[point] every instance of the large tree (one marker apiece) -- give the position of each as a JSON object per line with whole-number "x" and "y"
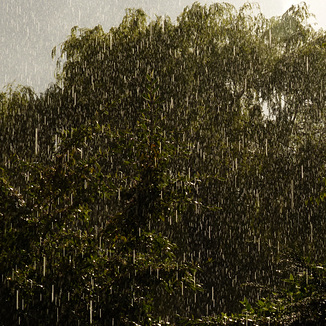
{"x": 208, "y": 131}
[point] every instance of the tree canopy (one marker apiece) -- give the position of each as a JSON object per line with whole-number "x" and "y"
{"x": 175, "y": 172}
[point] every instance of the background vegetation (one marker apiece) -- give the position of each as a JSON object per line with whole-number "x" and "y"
{"x": 175, "y": 173}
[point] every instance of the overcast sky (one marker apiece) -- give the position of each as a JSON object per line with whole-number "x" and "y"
{"x": 29, "y": 29}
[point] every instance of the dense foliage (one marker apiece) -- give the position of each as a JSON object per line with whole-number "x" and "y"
{"x": 174, "y": 173}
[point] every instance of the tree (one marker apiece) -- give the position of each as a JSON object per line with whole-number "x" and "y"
{"x": 206, "y": 133}
{"x": 86, "y": 258}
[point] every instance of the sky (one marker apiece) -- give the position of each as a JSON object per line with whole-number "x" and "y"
{"x": 29, "y": 29}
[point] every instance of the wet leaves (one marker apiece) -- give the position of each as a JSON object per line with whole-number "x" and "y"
{"x": 167, "y": 155}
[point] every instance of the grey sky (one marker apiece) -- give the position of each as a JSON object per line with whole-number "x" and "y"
{"x": 29, "y": 29}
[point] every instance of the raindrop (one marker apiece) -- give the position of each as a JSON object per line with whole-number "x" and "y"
{"x": 44, "y": 265}
{"x": 292, "y": 194}
{"x": 17, "y": 299}
{"x": 91, "y": 312}
{"x": 36, "y": 141}
{"x": 52, "y": 293}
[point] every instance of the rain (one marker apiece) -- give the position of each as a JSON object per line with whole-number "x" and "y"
{"x": 172, "y": 173}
